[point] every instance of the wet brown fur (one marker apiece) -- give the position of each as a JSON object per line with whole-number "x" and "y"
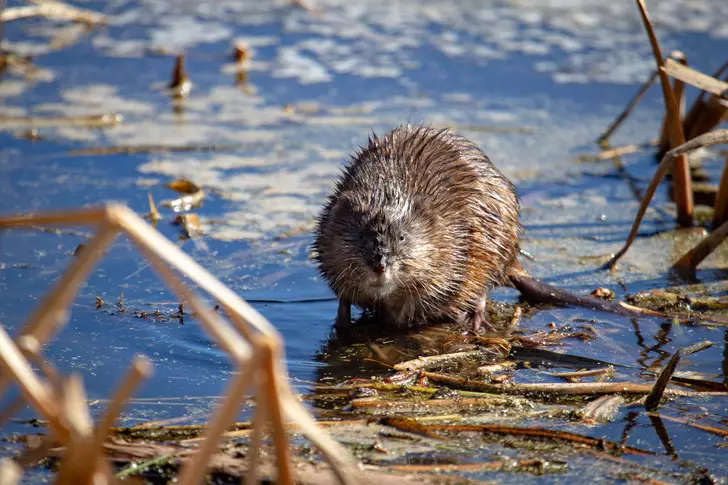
{"x": 459, "y": 214}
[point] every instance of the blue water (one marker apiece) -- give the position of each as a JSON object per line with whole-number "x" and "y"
{"x": 189, "y": 370}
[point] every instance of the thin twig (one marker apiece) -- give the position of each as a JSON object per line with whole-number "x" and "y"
{"x": 708, "y": 139}
{"x": 628, "y": 109}
{"x": 718, "y": 431}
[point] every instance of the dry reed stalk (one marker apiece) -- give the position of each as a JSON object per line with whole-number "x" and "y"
{"x": 194, "y": 470}
{"x": 708, "y": 139}
{"x": 652, "y": 401}
{"x": 681, "y": 171}
{"x": 687, "y": 264}
{"x": 423, "y": 362}
{"x": 259, "y": 419}
{"x": 35, "y": 392}
{"x": 604, "y": 138}
{"x": 255, "y": 348}
{"x": 720, "y": 207}
{"x": 10, "y": 472}
{"x": 708, "y": 84}
{"x": 678, "y": 87}
{"x": 141, "y": 369}
{"x": 697, "y": 110}
{"x": 704, "y": 115}
{"x": 270, "y": 354}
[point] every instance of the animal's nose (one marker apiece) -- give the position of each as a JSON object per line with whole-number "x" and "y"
{"x": 381, "y": 265}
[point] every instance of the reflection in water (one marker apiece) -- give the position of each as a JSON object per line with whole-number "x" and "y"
{"x": 663, "y": 435}
{"x": 630, "y": 421}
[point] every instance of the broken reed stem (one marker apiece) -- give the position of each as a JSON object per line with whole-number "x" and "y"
{"x": 683, "y": 193}
{"x": 195, "y": 469}
{"x": 681, "y": 316}
{"x": 585, "y": 373}
{"x": 652, "y": 401}
{"x": 271, "y": 397}
{"x": 10, "y": 472}
{"x": 259, "y": 419}
{"x": 423, "y": 362}
{"x": 33, "y": 389}
{"x": 708, "y": 139}
{"x": 720, "y": 207}
{"x": 604, "y": 139}
{"x": 678, "y": 88}
{"x": 707, "y": 84}
{"x": 687, "y": 264}
{"x": 141, "y": 369}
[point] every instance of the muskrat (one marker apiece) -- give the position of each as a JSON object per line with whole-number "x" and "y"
{"x": 419, "y": 227}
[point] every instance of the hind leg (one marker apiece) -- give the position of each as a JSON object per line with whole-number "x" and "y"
{"x": 343, "y": 314}
{"x": 477, "y": 317}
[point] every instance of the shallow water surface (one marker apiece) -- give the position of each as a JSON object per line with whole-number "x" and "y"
{"x": 534, "y": 83}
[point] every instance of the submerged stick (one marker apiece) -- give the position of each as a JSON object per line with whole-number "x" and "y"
{"x": 681, "y": 170}
{"x": 544, "y": 433}
{"x": 708, "y": 139}
{"x": 423, "y": 362}
{"x": 653, "y": 398}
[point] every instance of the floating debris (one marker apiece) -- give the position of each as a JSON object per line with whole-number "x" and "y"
{"x": 154, "y": 214}
{"x": 193, "y": 196}
{"x": 180, "y": 83}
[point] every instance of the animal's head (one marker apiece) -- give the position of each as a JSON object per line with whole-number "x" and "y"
{"x": 384, "y": 244}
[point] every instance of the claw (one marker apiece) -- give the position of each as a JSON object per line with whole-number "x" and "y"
{"x": 477, "y": 318}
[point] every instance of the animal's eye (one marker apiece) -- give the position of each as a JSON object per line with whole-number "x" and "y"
{"x": 401, "y": 238}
